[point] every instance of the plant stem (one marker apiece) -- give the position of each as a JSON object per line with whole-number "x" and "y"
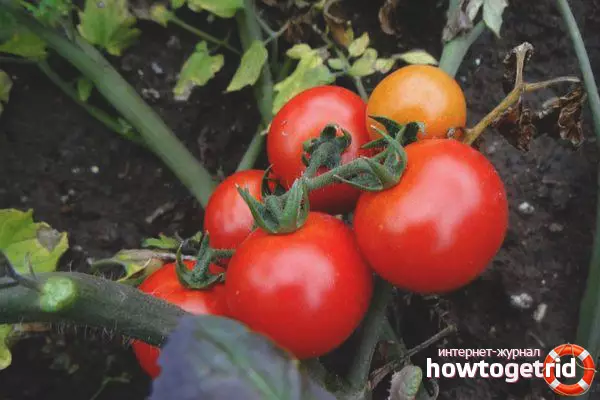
{"x": 98, "y": 302}
{"x": 455, "y": 50}
{"x": 588, "y": 331}
{"x": 102, "y": 116}
{"x": 157, "y": 136}
{"x": 249, "y": 31}
{"x": 371, "y": 333}
{"x": 201, "y": 34}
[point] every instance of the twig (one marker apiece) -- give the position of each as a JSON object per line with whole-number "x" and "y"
{"x": 201, "y": 34}
{"x": 438, "y": 336}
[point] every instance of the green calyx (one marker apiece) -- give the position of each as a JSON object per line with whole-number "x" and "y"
{"x": 280, "y": 214}
{"x": 200, "y": 277}
{"x": 326, "y": 150}
{"x": 57, "y": 294}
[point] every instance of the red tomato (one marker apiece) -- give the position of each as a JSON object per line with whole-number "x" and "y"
{"x": 164, "y": 284}
{"x": 306, "y": 290}
{"x": 303, "y": 118}
{"x": 228, "y": 219}
{"x": 419, "y": 93}
{"x": 441, "y": 225}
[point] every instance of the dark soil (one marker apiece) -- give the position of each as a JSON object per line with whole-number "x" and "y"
{"x": 49, "y": 148}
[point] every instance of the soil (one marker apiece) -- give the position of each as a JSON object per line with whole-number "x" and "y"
{"x": 101, "y": 189}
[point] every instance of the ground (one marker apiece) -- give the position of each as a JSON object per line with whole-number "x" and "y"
{"x": 101, "y": 189}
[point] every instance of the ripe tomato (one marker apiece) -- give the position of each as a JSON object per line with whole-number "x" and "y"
{"x": 303, "y": 118}
{"x": 419, "y": 93}
{"x": 306, "y": 290}
{"x": 228, "y": 219}
{"x": 441, "y": 225}
{"x": 164, "y": 284}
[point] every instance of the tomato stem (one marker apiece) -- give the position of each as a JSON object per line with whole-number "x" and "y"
{"x": 201, "y": 34}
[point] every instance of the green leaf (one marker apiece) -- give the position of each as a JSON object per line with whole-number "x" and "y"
{"x": 336, "y": 63}
{"x": 250, "y": 67}
{"x": 221, "y": 8}
{"x": 209, "y": 357}
{"x": 309, "y": 72}
{"x": 5, "y": 86}
{"x": 21, "y": 237}
{"x": 26, "y": 44}
{"x": 50, "y": 12}
{"x": 384, "y": 65}
{"x": 417, "y": 57}
{"x": 136, "y": 264}
{"x": 84, "y": 88}
{"x": 365, "y": 65}
{"x": 162, "y": 242}
{"x": 108, "y": 24}
{"x": 492, "y": 14}
{"x": 5, "y": 355}
{"x": 175, "y": 4}
{"x": 359, "y": 45}
{"x": 160, "y": 14}
{"x": 199, "y": 68}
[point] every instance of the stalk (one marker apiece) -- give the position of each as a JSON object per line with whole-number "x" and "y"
{"x": 588, "y": 331}
{"x": 128, "y": 103}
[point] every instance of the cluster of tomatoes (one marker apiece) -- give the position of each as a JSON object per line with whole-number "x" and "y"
{"x": 308, "y": 290}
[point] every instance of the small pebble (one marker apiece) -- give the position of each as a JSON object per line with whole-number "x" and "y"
{"x": 478, "y": 62}
{"x": 526, "y": 208}
{"x": 94, "y": 169}
{"x": 151, "y": 93}
{"x": 522, "y": 301}
{"x": 140, "y": 73}
{"x": 75, "y": 170}
{"x": 174, "y": 43}
{"x": 24, "y": 199}
{"x": 555, "y": 227}
{"x": 540, "y": 312}
{"x": 156, "y": 68}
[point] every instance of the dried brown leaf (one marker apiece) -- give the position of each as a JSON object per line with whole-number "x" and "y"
{"x": 458, "y": 22}
{"x": 562, "y": 116}
{"x": 511, "y": 64}
{"x": 387, "y": 17}
{"x": 516, "y": 125}
{"x": 339, "y": 24}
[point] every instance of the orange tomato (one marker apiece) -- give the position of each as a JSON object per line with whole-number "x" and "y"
{"x": 419, "y": 93}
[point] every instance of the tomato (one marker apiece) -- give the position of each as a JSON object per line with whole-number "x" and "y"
{"x": 164, "y": 284}
{"x": 441, "y": 225}
{"x": 303, "y": 118}
{"x": 419, "y": 93}
{"x": 227, "y": 218}
{"x": 307, "y": 290}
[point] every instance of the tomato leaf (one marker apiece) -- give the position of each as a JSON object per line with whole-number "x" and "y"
{"x": 209, "y": 357}
{"x": 108, "y": 24}
{"x": 384, "y": 65}
{"x": 84, "y": 88}
{"x": 5, "y": 86}
{"x": 21, "y": 237}
{"x": 365, "y": 65}
{"x": 175, "y": 4}
{"x": 405, "y": 383}
{"x": 417, "y": 57}
{"x": 463, "y": 18}
{"x": 136, "y": 264}
{"x": 309, "y": 72}
{"x": 49, "y": 12}
{"x": 5, "y": 355}
{"x": 221, "y": 8}
{"x": 24, "y": 43}
{"x": 198, "y": 69}
{"x": 336, "y": 63}
{"x": 359, "y": 45}
{"x": 250, "y": 67}
{"x": 162, "y": 242}
{"x": 160, "y": 14}
{"x": 492, "y": 14}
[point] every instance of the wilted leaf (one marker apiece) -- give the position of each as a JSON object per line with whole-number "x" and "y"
{"x": 309, "y": 72}
{"x": 458, "y": 22}
{"x": 563, "y": 116}
{"x": 162, "y": 242}
{"x": 384, "y": 65}
{"x": 250, "y": 67}
{"x": 516, "y": 125}
{"x": 365, "y": 65}
{"x": 209, "y": 357}
{"x": 463, "y": 18}
{"x": 221, "y": 8}
{"x": 5, "y": 355}
{"x": 387, "y": 15}
{"x": 515, "y": 60}
{"x": 5, "y": 86}
{"x": 24, "y": 43}
{"x": 359, "y": 45}
{"x": 136, "y": 264}
{"x": 405, "y": 383}
{"x": 21, "y": 237}
{"x": 339, "y": 24}
{"x": 50, "y": 12}
{"x": 198, "y": 69}
{"x": 417, "y": 57}
{"x": 108, "y": 24}
{"x": 84, "y": 88}
{"x": 336, "y": 63}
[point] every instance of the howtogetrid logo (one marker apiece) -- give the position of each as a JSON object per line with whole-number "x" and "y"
{"x": 553, "y": 369}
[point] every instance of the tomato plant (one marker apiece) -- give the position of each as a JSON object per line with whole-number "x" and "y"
{"x": 307, "y": 290}
{"x": 420, "y": 93}
{"x": 228, "y": 219}
{"x": 441, "y": 225}
{"x": 303, "y": 118}
{"x": 165, "y": 285}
